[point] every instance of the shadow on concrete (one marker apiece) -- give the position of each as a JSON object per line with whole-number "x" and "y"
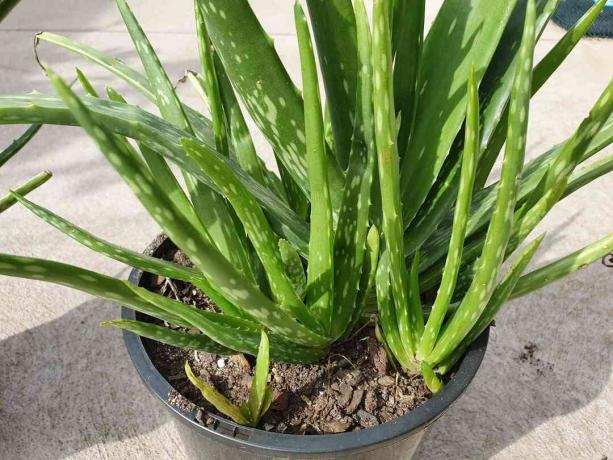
{"x": 68, "y": 385}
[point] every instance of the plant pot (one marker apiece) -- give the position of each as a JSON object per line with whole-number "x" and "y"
{"x": 226, "y": 440}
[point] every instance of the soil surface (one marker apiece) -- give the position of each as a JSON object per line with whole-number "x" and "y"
{"x": 353, "y": 388}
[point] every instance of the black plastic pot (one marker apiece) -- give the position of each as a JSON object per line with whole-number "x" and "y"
{"x": 228, "y": 441}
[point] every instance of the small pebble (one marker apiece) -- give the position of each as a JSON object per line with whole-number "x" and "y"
{"x": 221, "y": 363}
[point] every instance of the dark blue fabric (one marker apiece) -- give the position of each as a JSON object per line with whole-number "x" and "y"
{"x": 569, "y": 11}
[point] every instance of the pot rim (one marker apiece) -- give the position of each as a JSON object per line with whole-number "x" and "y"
{"x": 273, "y": 443}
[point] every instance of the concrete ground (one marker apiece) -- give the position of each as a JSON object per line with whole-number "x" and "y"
{"x": 67, "y": 388}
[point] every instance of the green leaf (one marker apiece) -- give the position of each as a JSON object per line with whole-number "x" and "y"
{"x": 293, "y": 267}
{"x": 259, "y": 384}
{"x": 464, "y": 33}
{"x": 98, "y": 285}
{"x": 25, "y": 188}
{"x": 349, "y": 244}
{"x": 460, "y": 219}
{"x": 211, "y": 82}
{"x": 85, "y": 83}
{"x": 320, "y": 271}
{"x": 563, "y": 267}
{"x": 407, "y": 40}
{"x": 389, "y": 176}
{"x": 498, "y": 299}
{"x": 135, "y": 123}
{"x": 169, "y": 336}
{"x": 432, "y": 381}
{"x": 257, "y": 228}
{"x": 494, "y": 138}
{"x": 18, "y": 144}
{"x": 210, "y": 207}
{"x": 260, "y": 79}
{"x": 587, "y": 174}
{"x": 338, "y": 61}
{"x": 221, "y": 403}
{"x": 499, "y": 230}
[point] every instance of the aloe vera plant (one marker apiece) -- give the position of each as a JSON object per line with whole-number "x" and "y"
{"x": 380, "y": 204}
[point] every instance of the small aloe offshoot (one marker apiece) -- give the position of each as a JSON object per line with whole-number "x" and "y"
{"x": 378, "y": 205}
{"x": 251, "y": 411}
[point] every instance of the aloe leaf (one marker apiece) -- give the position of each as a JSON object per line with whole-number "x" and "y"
{"x": 240, "y": 137}
{"x": 499, "y": 231}
{"x": 98, "y": 285}
{"x": 296, "y": 199}
{"x": 257, "y": 228}
{"x": 407, "y": 40}
{"x": 498, "y": 299}
{"x": 563, "y": 267}
{"x": 574, "y": 149}
{"x": 587, "y": 174}
{"x": 415, "y": 298}
{"x": 259, "y": 384}
{"x": 234, "y": 333}
{"x": 463, "y": 34}
{"x": 484, "y": 200}
{"x": 131, "y": 258}
{"x": 211, "y": 82}
{"x": 135, "y": 123}
{"x": 408, "y": 318}
{"x": 387, "y": 314}
{"x": 293, "y": 267}
{"x": 432, "y": 381}
{"x": 543, "y": 70}
{"x": 86, "y": 84}
{"x": 369, "y": 270}
{"x": 221, "y": 403}
{"x": 31, "y": 184}
{"x": 209, "y": 260}
{"x": 210, "y": 207}
{"x": 338, "y": 60}
{"x": 460, "y": 219}
{"x": 18, "y": 144}
{"x": 169, "y": 336}
{"x": 260, "y": 79}
{"x": 320, "y": 271}
{"x": 352, "y": 226}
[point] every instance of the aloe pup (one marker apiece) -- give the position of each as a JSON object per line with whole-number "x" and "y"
{"x": 380, "y": 205}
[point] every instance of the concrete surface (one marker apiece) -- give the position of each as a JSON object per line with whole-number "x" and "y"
{"x": 67, "y": 389}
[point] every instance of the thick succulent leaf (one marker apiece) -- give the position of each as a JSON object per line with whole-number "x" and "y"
{"x": 221, "y": 403}
{"x": 495, "y": 138}
{"x": 32, "y": 184}
{"x": 460, "y": 219}
{"x": 338, "y": 61}
{"x": 210, "y": 207}
{"x": 257, "y": 228}
{"x": 498, "y": 299}
{"x": 407, "y": 41}
{"x": 562, "y": 267}
{"x": 98, "y": 285}
{"x": 295, "y": 198}
{"x": 484, "y": 200}
{"x": 260, "y": 79}
{"x": 575, "y": 148}
{"x": 320, "y": 271}
{"x": 587, "y": 174}
{"x": 433, "y": 383}
{"x": 234, "y": 333}
{"x": 169, "y": 336}
{"x": 409, "y": 319}
{"x": 499, "y": 231}
{"x": 211, "y": 82}
{"x": 349, "y": 244}
{"x": 18, "y": 144}
{"x": 464, "y": 33}
{"x": 86, "y": 84}
{"x": 135, "y": 123}
{"x": 293, "y": 267}
{"x": 259, "y": 384}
